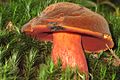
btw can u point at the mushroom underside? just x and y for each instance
(90, 43)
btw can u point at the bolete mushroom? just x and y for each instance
(73, 29)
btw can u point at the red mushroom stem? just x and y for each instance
(68, 48)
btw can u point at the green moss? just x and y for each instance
(23, 58)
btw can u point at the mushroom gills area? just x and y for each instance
(67, 47)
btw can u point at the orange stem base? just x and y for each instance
(67, 47)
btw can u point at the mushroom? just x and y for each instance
(73, 29)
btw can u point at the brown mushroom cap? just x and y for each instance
(70, 17)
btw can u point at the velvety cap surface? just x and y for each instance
(69, 17)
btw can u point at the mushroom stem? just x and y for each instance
(67, 47)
